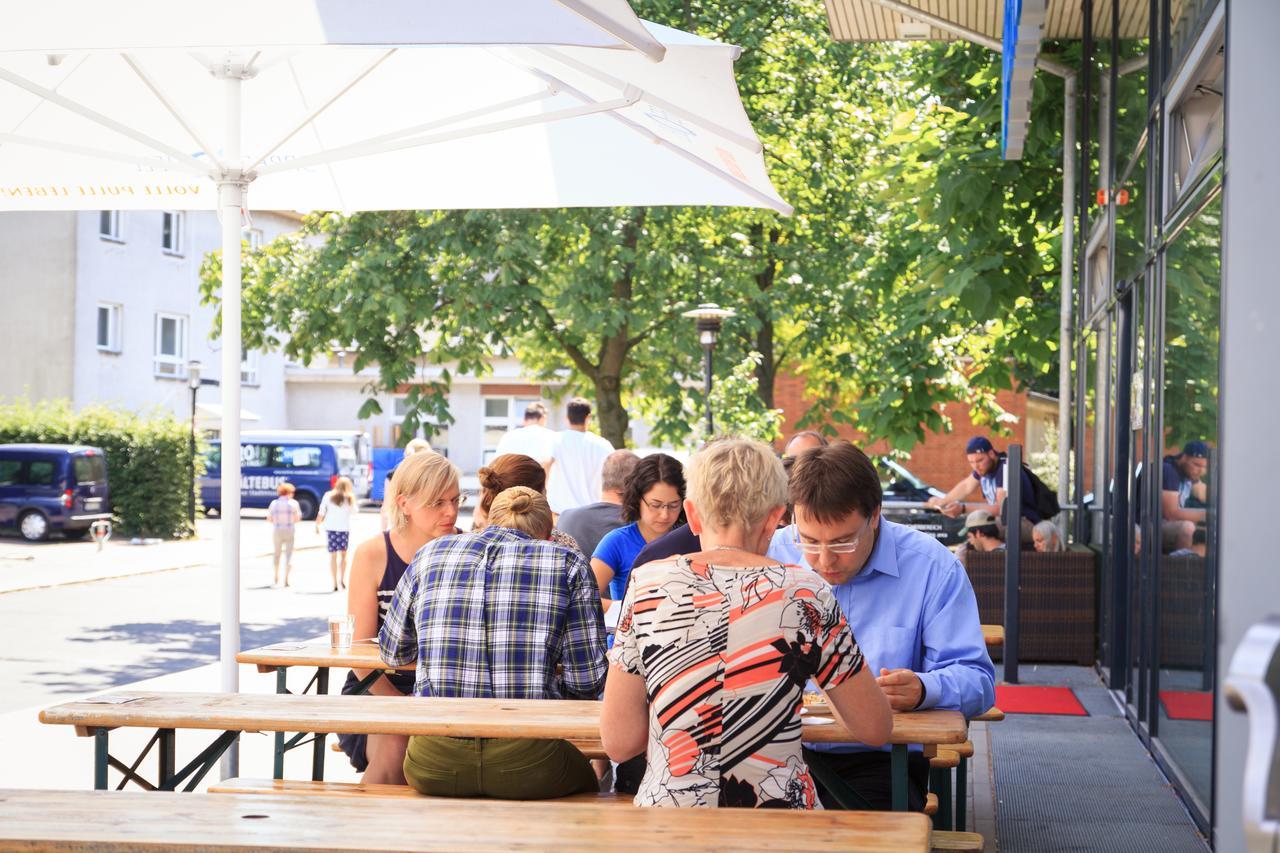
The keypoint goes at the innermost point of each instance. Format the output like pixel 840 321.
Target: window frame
pixel 116 232
pixel 179 359
pixel 250 364
pixel 115 327
pixel 177 230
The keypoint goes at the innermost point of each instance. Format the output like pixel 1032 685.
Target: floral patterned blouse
pixel 725 653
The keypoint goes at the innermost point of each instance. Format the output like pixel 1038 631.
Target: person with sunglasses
pixel 652 504
pixel 908 601
pixel 422 500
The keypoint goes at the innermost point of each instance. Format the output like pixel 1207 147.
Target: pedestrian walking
pixel 334 518
pixel 284 514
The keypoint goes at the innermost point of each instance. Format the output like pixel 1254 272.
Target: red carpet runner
pixel 1026 699
pixel 1187 704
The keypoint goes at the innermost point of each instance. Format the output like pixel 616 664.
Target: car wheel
pixel 33 526
pixel 307 504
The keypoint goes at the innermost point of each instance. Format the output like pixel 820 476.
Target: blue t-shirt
pixel 1171 480
pixel 618 550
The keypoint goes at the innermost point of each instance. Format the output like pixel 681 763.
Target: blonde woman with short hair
pixel 423 507
pixel 415 445
pixel 739 631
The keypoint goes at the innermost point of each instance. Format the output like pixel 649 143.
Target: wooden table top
pixel 132 820
pixel 993 635
pixel 337 714
pixel 318 652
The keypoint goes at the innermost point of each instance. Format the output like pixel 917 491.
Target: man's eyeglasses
pixel 444 502
pixel 834 547
pixel 657 506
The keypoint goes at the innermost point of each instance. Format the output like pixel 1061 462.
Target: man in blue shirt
pixel 1179 477
pixel 907 599
pixel 988 472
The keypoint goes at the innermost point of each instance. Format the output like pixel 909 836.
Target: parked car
pixel 899 484
pixel 311 466
pixel 52 487
pixel 357 465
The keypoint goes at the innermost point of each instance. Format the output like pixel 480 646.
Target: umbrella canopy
pixel 360 105
pixel 369 106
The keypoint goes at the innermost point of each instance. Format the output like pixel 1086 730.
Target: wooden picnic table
pixel 232 713
pixel 993 635
pixel 129 820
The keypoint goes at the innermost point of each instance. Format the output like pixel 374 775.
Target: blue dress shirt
pixel 912 607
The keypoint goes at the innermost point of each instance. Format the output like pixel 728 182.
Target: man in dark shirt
pixel 1178 478
pixel 588 524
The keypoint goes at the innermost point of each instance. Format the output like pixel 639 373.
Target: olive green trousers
pixel 504 768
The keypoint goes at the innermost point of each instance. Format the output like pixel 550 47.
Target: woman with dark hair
pixel 506 472
pixel 652 504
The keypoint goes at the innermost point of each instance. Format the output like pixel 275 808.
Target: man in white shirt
pixel 533 439
pixel 577 457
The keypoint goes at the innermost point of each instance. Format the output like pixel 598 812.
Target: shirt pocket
pixel 892 648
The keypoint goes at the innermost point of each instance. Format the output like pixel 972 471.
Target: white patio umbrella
pixel 360 105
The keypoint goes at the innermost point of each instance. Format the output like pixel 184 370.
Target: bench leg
pixel 940 784
pixel 101 757
pixel 317 754
pixel 962 793
pixel 168 754
pixel 277 766
pixel 898 765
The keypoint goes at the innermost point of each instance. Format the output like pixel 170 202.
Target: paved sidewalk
pixel 35 565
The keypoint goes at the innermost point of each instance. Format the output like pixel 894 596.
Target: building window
pixel 501 414
pixel 108 327
pixel 172 226
pixel 109 226
pixel 249 367
pixel 171 346
pixel 255 239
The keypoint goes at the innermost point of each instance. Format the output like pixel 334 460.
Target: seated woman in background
pixel 651 504
pixel 422 505
pixel 499 614
pixel 743 634
pixel 506 472
pixel 1046 537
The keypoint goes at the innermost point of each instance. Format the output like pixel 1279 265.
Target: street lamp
pixel 709 317
pixel 194 381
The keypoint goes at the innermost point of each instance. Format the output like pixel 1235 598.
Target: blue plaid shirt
pixel 491 614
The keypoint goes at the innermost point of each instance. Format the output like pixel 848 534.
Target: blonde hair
pixel 416 445
pixel 521 508
pixel 735 481
pixel 342 493
pixel 422 478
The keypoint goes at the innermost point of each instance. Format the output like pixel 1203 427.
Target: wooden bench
pixel 133 820
pixel 944 841
pixel 993 635
pixel 233 713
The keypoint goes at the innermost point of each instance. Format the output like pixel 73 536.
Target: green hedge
pixel 148 458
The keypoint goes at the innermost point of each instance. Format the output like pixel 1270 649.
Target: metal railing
pixel 1253 688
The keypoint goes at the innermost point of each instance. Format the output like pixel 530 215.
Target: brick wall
pixel 939 459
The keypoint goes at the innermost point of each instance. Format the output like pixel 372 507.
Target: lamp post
pixel 709 317
pixel 194 381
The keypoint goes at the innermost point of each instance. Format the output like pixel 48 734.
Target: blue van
pixel 49 487
pixel 311 466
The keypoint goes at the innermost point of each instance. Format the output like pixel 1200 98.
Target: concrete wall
pixel 1249 583
pixel 38 292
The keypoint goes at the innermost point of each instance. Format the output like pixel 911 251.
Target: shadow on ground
pixel 173 646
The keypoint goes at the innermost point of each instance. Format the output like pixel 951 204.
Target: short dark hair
pixel 831 482
pixel 649 471
pixel 535 411
pixel 579 410
pixel 990 531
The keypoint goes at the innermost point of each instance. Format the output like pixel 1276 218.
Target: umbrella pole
pixel 231 191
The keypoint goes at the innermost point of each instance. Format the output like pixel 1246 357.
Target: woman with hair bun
pixel 506 472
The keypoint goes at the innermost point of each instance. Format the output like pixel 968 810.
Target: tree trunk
pixel 766 370
pixel 610 414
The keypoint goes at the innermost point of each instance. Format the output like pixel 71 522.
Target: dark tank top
pixel 402 679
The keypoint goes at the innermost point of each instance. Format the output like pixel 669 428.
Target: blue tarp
pixel 385 459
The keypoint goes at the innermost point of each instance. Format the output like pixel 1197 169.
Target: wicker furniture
pixel 1059 597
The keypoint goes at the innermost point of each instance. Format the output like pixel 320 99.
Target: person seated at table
pixel 1047 538
pixel 906 597
pixel 499 614
pixel 422 504
pixel 508 471
pixel 651 506
pixel 981 532
pixel 714 649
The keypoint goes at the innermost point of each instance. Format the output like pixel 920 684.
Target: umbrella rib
pixel 651 48
pixel 363 149
pixel 748 142
pixel 83 150
pixel 324 105
pixel 173 110
pixel 183 160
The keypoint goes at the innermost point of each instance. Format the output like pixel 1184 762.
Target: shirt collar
pixel 884 556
